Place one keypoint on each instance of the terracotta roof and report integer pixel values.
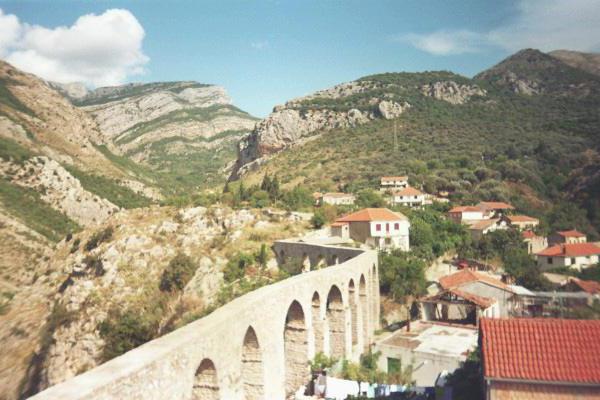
(338, 224)
(372, 214)
(496, 205)
(552, 350)
(464, 276)
(483, 302)
(522, 218)
(465, 209)
(338, 194)
(591, 287)
(393, 178)
(571, 233)
(481, 224)
(528, 234)
(408, 191)
(570, 250)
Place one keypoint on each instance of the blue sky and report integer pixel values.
(267, 52)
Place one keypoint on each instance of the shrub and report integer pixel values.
(94, 263)
(236, 267)
(177, 274)
(123, 331)
(99, 237)
(318, 219)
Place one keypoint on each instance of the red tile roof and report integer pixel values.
(464, 276)
(481, 224)
(495, 205)
(372, 214)
(408, 191)
(570, 250)
(465, 209)
(591, 287)
(338, 224)
(483, 302)
(522, 218)
(547, 350)
(571, 233)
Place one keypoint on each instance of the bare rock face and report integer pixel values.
(520, 85)
(60, 189)
(298, 121)
(452, 92)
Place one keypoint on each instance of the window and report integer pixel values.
(378, 227)
(549, 260)
(573, 262)
(396, 226)
(387, 227)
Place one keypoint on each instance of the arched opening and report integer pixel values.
(305, 263)
(364, 311)
(321, 263)
(335, 260)
(337, 322)
(317, 323)
(295, 348)
(374, 301)
(353, 311)
(252, 367)
(282, 257)
(206, 385)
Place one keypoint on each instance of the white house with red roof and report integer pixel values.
(540, 358)
(336, 198)
(391, 183)
(573, 255)
(571, 236)
(461, 214)
(495, 208)
(522, 221)
(535, 243)
(408, 197)
(379, 228)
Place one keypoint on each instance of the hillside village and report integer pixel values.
(138, 225)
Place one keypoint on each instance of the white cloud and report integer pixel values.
(259, 45)
(541, 24)
(98, 50)
(444, 43)
(10, 30)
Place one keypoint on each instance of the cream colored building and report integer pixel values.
(379, 228)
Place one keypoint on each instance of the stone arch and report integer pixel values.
(252, 367)
(206, 384)
(337, 322)
(321, 262)
(317, 323)
(335, 260)
(295, 341)
(374, 291)
(353, 311)
(305, 263)
(364, 309)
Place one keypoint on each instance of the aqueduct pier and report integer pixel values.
(255, 347)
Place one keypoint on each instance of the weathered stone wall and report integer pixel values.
(270, 332)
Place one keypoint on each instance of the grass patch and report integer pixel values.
(26, 205)
(10, 150)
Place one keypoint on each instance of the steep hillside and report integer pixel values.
(516, 132)
(589, 62)
(180, 134)
(141, 274)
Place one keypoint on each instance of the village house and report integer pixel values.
(487, 289)
(408, 197)
(340, 229)
(495, 209)
(564, 237)
(535, 243)
(478, 228)
(573, 255)
(458, 307)
(522, 222)
(379, 228)
(528, 358)
(392, 183)
(336, 199)
(461, 214)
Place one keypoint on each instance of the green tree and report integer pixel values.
(178, 273)
(318, 219)
(235, 268)
(260, 199)
(369, 198)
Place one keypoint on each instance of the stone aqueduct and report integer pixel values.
(255, 347)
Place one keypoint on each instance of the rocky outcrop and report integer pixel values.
(59, 189)
(589, 62)
(452, 92)
(303, 119)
